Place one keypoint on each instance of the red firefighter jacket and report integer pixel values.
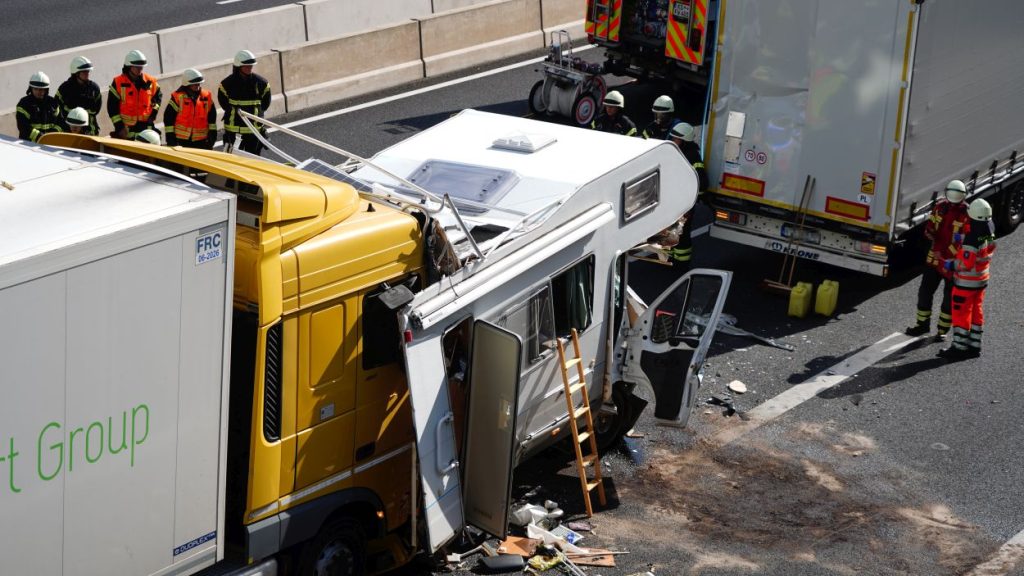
(945, 220)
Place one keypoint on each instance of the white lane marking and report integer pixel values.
(1004, 560)
(824, 380)
(419, 91)
(699, 231)
(228, 1)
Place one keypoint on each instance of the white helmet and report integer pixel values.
(149, 136)
(78, 117)
(956, 191)
(245, 58)
(663, 104)
(980, 210)
(135, 58)
(80, 64)
(684, 132)
(39, 80)
(614, 99)
(191, 76)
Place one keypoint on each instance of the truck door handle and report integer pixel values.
(453, 463)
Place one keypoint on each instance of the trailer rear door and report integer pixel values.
(812, 87)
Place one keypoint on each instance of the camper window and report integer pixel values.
(640, 195)
(572, 295)
(533, 322)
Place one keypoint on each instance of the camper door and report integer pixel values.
(675, 332)
(484, 499)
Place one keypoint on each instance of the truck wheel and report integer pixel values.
(536, 101)
(1010, 210)
(584, 109)
(609, 428)
(339, 549)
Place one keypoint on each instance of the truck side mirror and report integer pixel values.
(396, 297)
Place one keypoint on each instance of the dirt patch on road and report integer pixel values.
(751, 508)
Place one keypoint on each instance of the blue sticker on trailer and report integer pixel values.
(195, 543)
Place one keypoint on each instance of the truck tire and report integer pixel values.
(339, 549)
(1011, 207)
(610, 428)
(536, 101)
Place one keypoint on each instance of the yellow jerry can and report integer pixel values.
(800, 299)
(827, 297)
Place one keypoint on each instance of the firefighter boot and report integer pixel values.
(955, 353)
(919, 329)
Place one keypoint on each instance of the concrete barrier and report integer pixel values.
(107, 58)
(486, 32)
(446, 5)
(320, 72)
(328, 19)
(197, 45)
(565, 15)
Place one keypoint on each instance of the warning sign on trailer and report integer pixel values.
(867, 183)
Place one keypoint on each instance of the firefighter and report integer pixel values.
(78, 91)
(191, 116)
(613, 120)
(684, 136)
(78, 121)
(944, 229)
(149, 136)
(243, 90)
(134, 99)
(970, 278)
(663, 123)
(37, 112)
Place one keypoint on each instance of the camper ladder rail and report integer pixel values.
(574, 414)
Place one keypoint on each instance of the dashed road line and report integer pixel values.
(804, 391)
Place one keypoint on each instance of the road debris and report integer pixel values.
(727, 325)
(737, 387)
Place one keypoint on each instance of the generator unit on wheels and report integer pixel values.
(571, 87)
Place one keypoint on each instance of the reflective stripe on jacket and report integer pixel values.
(36, 117)
(972, 263)
(240, 92)
(131, 104)
(194, 118)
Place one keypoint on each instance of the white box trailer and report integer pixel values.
(115, 298)
(881, 102)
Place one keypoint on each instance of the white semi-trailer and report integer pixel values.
(882, 103)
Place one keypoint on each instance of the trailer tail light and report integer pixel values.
(869, 248)
(731, 217)
(407, 335)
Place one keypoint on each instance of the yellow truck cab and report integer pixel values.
(319, 438)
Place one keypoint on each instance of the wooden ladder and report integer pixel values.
(591, 459)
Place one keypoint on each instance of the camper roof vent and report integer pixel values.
(528, 143)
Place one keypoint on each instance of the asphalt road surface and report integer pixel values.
(35, 27)
(909, 466)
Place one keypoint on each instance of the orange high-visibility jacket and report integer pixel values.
(194, 118)
(129, 104)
